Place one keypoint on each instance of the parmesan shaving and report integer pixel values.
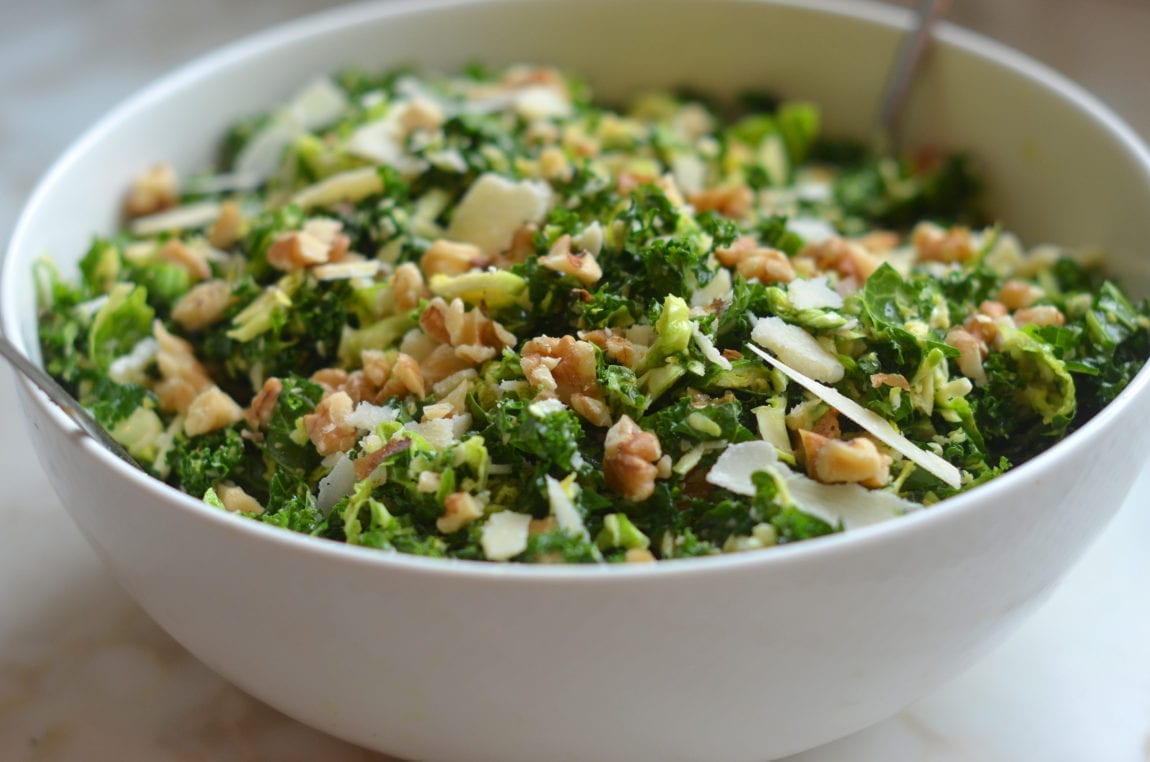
(504, 535)
(707, 347)
(873, 423)
(183, 217)
(563, 506)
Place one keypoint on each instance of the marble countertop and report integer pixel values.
(85, 675)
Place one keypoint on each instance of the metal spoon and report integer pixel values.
(63, 400)
(906, 66)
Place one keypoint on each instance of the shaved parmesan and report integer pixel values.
(262, 155)
(541, 102)
(738, 462)
(873, 423)
(563, 505)
(813, 294)
(183, 217)
(318, 104)
(707, 347)
(494, 208)
(338, 484)
(812, 229)
(852, 505)
(367, 416)
(351, 185)
(439, 432)
(129, 368)
(719, 289)
(346, 270)
(384, 142)
(797, 348)
(589, 239)
(504, 535)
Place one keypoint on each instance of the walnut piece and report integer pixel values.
(154, 191)
(629, 458)
(459, 510)
(327, 427)
(211, 410)
(836, 461)
(203, 305)
(753, 260)
(582, 265)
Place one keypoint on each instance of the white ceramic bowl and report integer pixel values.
(740, 657)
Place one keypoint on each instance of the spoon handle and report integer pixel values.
(63, 399)
(906, 65)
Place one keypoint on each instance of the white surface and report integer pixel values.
(85, 675)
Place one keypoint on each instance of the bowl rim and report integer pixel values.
(325, 22)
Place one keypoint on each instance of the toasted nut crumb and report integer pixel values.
(264, 404)
(847, 258)
(1016, 294)
(595, 411)
(451, 258)
(327, 427)
(192, 260)
(1042, 315)
(937, 244)
(734, 202)
(211, 410)
(629, 457)
(228, 227)
(833, 461)
(203, 305)
(236, 500)
(182, 375)
(155, 190)
(408, 287)
(459, 510)
(582, 265)
(753, 260)
(972, 351)
(896, 380)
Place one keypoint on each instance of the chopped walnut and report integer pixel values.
(937, 244)
(263, 404)
(228, 227)
(564, 365)
(182, 375)
(330, 379)
(421, 114)
(451, 258)
(894, 380)
(581, 265)
(474, 336)
(203, 305)
(407, 374)
(543, 525)
(1016, 294)
(327, 427)
(734, 202)
(847, 258)
(595, 411)
(236, 500)
(983, 328)
(753, 260)
(211, 410)
(191, 259)
(1042, 315)
(459, 510)
(522, 247)
(629, 458)
(972, 351)
(618, 346)
(992, 309)
(154, 191)
(319, 241)
(407, 287)
(834, 461)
